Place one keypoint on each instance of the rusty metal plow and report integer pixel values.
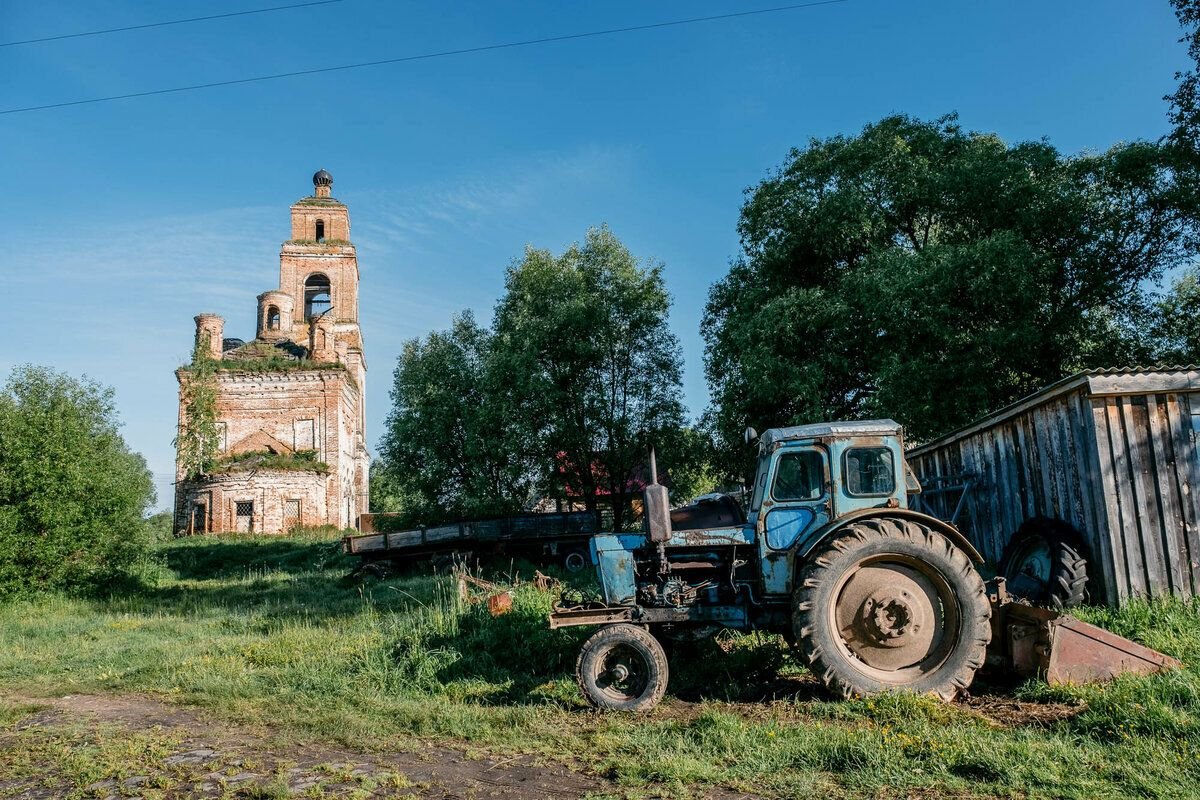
(1056, 647)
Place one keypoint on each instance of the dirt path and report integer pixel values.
(199, 757)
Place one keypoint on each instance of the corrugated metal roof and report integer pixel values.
(867, 427)
(1100, 382)
(1139, 370)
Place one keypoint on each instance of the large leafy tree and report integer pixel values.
(72, 494)
(560, 399)
(932, 274)
(449, 450)
(1185, 100)
(1176, 323)
(591, 364)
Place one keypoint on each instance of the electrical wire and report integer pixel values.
(424, 56)
(168, 22)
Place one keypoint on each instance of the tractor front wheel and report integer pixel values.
(890, 604)
(622, 668)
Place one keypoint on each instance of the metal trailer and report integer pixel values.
(558, 537)
(555, 537)
(1107, 457)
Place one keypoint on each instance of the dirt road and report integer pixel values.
(184, 753)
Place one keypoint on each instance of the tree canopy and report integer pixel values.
(932, 274)
(72, 494)
(559, 400)
(448, 450)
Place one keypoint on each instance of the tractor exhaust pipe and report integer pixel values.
(657, 506)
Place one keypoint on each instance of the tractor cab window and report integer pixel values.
(799, 476)
(870, 472)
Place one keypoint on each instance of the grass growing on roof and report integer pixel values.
(270, 630)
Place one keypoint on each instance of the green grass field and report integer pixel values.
(270, 631)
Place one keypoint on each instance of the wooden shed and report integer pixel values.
(1112, 452)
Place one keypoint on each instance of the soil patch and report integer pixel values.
(208, 758)
(1010, 713)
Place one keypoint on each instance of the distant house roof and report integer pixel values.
(1101, 382)
(868, 427)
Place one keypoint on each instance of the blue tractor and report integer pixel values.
(873, 595)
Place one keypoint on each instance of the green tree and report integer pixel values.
(686, 463)
(1176, 326)
(1184, 102)
(72, 494)
(447, 451)
(590, 365)
(932, 274)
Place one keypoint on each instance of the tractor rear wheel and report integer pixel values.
(890, 604)
(622, 668)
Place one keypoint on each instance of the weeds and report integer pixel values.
(270, 630)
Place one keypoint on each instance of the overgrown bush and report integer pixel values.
(72, 493)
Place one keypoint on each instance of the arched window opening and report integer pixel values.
(320, 230)
(272, 318)
(317, 299)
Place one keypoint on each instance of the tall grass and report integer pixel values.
(272, 631)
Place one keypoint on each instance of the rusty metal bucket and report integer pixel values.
(1037, 642)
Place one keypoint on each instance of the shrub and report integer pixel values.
(72, 493)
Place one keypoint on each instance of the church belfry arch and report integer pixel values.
(318, 295)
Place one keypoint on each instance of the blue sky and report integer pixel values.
(122, 220)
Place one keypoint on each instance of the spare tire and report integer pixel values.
(1044, 564)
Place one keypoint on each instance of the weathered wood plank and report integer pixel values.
(1011, 495)
(1065, 467)
(1100, 557)
(1187, 474)
(1021, 454)
(1075, 466)
(1137, 436)
(1144, 383)
(1175, 549)
(1123, 481)
(1044, 477)
(1111, 496)
(996, 525)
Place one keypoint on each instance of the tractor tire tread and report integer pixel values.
(966, 658)
(633, 635)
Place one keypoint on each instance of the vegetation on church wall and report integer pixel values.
(299, 461)
(324, 242)
(72, 493)
(268, 364)
(198, 442)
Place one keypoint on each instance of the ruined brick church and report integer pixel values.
(289, 414)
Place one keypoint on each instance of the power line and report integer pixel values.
(168, 22)
(424, 56)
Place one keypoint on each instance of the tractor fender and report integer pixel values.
(941, 526)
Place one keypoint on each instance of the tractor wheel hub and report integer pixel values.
(887, 617)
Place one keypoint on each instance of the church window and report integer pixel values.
(317, 298)
(320, 230)
(244, 516)
(272, 318)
